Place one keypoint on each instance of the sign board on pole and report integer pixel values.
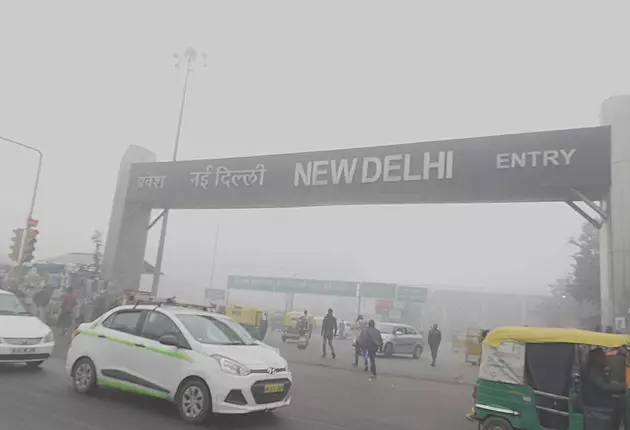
(411, 294)
(213, 294)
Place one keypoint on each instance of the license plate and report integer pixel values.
(22, 350)
(274, 388)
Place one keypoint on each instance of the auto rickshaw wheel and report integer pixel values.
(496, 423)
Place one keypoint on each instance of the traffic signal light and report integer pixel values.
(15, 246)
(29, 246)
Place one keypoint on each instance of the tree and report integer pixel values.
(97, 255)
(582, 282)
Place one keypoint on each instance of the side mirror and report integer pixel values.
(169, 340)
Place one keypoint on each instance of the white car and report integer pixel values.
(202, 362)
(23, 337)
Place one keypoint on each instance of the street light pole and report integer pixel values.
(190, 55)
(33, 197)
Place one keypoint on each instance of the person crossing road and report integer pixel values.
(435, 338)
(329, 331)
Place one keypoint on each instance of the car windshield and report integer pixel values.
(11, 305)
(386, 329)
(215, 331)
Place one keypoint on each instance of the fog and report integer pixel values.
(82, 90)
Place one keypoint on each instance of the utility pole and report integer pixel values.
(190, 56)
(33, 197)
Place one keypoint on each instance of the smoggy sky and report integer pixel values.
(84, 80)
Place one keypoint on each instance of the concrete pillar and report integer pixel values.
(123, 259)
(615, 112)
(605, 271)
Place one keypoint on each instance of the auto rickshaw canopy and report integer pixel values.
(554, 335)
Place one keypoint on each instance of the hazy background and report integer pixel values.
(82, 80)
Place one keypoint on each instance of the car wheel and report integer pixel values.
(193, 401)
(84, 376)
(389, 350)
(34, 364)
(496, 423)
(417, 352)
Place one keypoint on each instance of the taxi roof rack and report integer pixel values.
(172, 302)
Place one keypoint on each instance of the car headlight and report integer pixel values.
(230, 366)
(50, 337)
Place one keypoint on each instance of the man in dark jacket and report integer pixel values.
(599, 391)
(435, 338)
(616, 358)
(371, 340)
(329, 330)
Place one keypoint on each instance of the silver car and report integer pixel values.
(400, 339)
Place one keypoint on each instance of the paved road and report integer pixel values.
(451, 367)
(323, 399)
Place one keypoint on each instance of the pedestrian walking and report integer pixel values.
(435, 338)
(329, 331)
(66, 314)
(371, 340)
(359, 326)
(264, 325)
(41, 300)
(304, 329)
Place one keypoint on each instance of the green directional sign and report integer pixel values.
(290, 285)
(378, 290)
(293, 285)
(333, 288)
(411, 294)
(250, 283)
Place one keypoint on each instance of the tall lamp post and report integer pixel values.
(33, 197)
(190, 58)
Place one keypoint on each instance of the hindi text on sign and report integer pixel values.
(228, 178)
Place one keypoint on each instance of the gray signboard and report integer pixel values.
(378, 290)
(411, 294)
(523, 167)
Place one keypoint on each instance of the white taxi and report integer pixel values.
(23, 337)
(201, 361)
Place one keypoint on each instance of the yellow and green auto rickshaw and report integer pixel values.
(290, 331)
(536, 378)
(249, 318)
